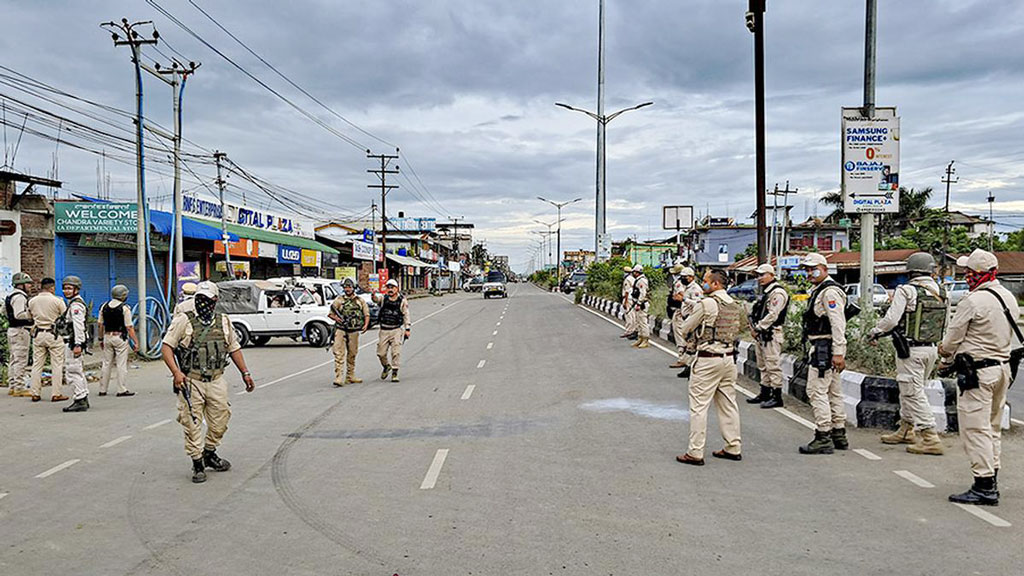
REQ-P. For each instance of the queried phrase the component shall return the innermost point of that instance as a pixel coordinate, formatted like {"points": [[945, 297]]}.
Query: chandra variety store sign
{"points": [[248, 217], [95, 217]]}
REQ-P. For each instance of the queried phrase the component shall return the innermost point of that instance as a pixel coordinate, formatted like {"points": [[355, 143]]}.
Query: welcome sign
{"points": [[96, 217]]}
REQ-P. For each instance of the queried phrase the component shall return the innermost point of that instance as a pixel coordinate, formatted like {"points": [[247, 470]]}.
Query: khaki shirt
{"points": [[180, 332], [340, 301], [777, 300], [406, 323], [904, 298], [627, 286], [704, 315], [77, 312], [114, 303], [46, 308], [979, 327], [188, 305], [642, 285], [19, 305], [832, 301]]}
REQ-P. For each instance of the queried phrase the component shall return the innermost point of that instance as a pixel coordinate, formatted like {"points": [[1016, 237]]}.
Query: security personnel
{"points": [[979, 338], [394, 329], [19, 338], [117, 334], [76, 339], [627, 293], [767, 319], [640, 300], [195, 349], [687, 291], [715, 323], [46, 309], [351, 318], [824, 325], [188, 291], [916, 318]]}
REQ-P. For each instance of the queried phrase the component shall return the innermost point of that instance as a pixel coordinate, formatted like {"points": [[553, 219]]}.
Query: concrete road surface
{"points": [[524, 438]]}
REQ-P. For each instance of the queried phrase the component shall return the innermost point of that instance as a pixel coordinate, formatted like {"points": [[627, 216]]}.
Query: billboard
{"points": [[871, 161], [288, 254], [94, 217]]}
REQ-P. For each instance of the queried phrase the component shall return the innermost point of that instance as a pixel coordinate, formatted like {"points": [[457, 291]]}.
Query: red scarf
{"points": [[975, 278]]}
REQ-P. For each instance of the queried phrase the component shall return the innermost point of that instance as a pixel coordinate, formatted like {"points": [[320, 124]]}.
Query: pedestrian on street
{"points": [[116, 336], [627, 304], [715, 322], [978, 343], [767, 318], [824, 326], [916, 319], [393, 319], [195, 349], [186, 304], [19, 337], [77, 340], [351, 318], [687, 291], [47, 341], [640, 299]]}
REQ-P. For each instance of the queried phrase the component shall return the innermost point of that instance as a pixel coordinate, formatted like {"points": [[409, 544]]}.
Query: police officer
{"points": [[117, 334], [980, 336], [188, 291], [351, 318], [767, 319], [640, 300], [824, 325], [627, 294], [687, 291], [195, 349], [46, 309], [19, 339], [393, 319], [916, 318], [715, 322], [75, 337]]}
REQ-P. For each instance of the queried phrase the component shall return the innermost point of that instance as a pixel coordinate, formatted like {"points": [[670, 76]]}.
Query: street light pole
{"points": [[755, 23], [558, 250]]}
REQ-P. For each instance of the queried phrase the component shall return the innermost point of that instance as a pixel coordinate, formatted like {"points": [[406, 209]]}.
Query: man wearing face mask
{"points": [[767, 318], [978, 344], [687, 291], [351, 318], [640, 301], [627, 294], [195, 349], [74, 326], [394, 329]]}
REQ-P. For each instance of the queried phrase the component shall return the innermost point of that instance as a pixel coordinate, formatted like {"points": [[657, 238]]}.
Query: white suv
{"points": [[260, 310], [325, 290], [879, 297]]}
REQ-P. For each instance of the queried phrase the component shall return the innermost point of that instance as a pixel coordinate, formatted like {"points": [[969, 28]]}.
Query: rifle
{"points": [[186, 390], [899, 342]]}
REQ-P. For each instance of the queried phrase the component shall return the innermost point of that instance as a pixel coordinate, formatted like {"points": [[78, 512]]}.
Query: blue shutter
{"points": [[125, 272], [92, 265]]}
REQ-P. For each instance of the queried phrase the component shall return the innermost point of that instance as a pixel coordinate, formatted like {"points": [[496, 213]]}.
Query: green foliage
{"points": [[751, 250], [604, 279], [928, 232], [544, 278]]}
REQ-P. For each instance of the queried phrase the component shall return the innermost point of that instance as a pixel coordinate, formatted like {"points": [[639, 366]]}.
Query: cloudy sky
{"points": [[466, 89]]}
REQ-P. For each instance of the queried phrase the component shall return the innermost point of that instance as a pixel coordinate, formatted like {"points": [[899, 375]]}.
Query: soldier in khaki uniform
{"points": [[715, 322], [117, 336], [393, 319], [825, 328], [687, 291], [351, 318], [980, 336], [640, 300], [767, 319], [75, 337], [195, 349], [19, 337], [186, 304], [627, 304], [917, 315], [46, 309]]}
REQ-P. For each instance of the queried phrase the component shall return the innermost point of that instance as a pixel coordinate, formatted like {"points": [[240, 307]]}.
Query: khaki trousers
{"points": [[769, 360], [683, 347], [210, 403], [826, 397], [45, 343], [390, 340], [911, 374], [980, 413], [346, 346], [643, 324], [714, 379], [18, 341], [630, 318], [74, 373], [115, 357]]}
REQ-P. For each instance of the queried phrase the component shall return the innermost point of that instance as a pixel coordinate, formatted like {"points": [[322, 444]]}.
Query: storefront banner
{"points": [[248, 217], [93, 217], [288, 254], [267, 250], [310, 258], [244, 248], [342, 272], [362, 250]]}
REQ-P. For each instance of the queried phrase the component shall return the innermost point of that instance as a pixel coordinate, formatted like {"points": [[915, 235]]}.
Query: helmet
{"points": [[119, 292], [921, 262], [348, 282], [21, 278], [73, 281]]}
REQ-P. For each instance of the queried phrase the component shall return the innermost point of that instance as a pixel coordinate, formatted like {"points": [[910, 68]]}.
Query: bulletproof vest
{"points": [[726, 329], [390, 315], [926, 322], [761, 306], [113, 318], [352, 315], [636, 289], [65, 326], [206, 356], [9, 306], [815, 325]]}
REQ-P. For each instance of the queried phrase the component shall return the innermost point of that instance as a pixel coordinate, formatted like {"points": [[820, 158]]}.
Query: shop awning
{"points": [[278, 238], [163, 222], [407, 261]]}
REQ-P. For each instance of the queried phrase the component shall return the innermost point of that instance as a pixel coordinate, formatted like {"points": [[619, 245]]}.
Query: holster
{"points": [[821, 356], [966, 372], [901, 344]]}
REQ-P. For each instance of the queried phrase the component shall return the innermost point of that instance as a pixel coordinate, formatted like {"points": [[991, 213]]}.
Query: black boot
{"points": [[80, 405], [775, 401], [822, 444], [198, 473], [762, 396], [633, 336], [684, 373], [839, 439], [982, 493], [215, 462]]}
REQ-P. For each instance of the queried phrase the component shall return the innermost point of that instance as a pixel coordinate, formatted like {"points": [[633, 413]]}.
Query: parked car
{"points": [[574, 281], [325, 290], [495, 285], [956, 291], [879, 298], [260, 310], [744, 291], [474, 285]]}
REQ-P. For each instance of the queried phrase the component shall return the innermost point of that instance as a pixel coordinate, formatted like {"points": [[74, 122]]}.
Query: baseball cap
{"points": [[764, 269], [208, 289], [676, 269], [638, 268], [188, 288], [812, 259], [687, 271], [627, 268], [391, 282], [979, 261]]}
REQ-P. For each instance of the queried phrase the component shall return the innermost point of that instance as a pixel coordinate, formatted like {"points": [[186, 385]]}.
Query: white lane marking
{"points": [[1017, 422], [435, 469], [495, 333], [58, 468], [867, 454], [498, 324], [913, 478], [468, 392], [481, 364], [799, 420], [115, 441], [158, 424], [3, 495], [490, 345], [986, 516]]}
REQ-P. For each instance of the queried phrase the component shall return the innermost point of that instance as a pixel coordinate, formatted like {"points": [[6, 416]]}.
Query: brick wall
{"points": [[37, 244]]}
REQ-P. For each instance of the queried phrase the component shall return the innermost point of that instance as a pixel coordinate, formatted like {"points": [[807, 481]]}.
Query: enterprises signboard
{"points": [[96, 217]]}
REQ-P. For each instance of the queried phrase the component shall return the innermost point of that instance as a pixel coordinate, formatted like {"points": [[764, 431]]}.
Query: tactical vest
{"points": [[65, 326], [926, 322], [206, 356], [352, 318], [113, 318], [761, 306], [390, 316], [815, 325], [9, 306], [726, 329]]}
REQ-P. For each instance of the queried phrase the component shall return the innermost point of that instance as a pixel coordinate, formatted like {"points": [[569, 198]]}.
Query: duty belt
{"points": [[703, 354], [988, 363]]}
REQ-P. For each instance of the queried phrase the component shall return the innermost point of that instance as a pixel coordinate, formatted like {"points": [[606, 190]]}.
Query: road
{"points": [[524, 438]]}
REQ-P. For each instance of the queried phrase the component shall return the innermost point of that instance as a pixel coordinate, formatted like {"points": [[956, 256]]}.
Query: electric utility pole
{"points": [[385, 161], [224, 238], [867, 221], [991, 223], [947, 180], [755, 23], [455, 249]]}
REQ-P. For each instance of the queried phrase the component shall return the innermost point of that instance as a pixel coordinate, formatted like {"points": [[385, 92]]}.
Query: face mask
{"points": [[816, 273], [706, 287], [204, 308]]}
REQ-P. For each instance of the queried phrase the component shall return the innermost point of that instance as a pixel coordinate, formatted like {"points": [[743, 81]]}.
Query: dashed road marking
{"points": [[984, 515], [913, 478], [115, 442], [495, 333], [490, 345], [481, 364], [468, 392], [798, 419], [3, 495], [435, 469], [498, 324], [58, 468], [867, 454], [158, 424]]}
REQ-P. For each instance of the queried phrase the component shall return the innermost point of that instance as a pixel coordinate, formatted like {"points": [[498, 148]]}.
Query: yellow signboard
{"points": [[310, 258], [342, 272]]}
